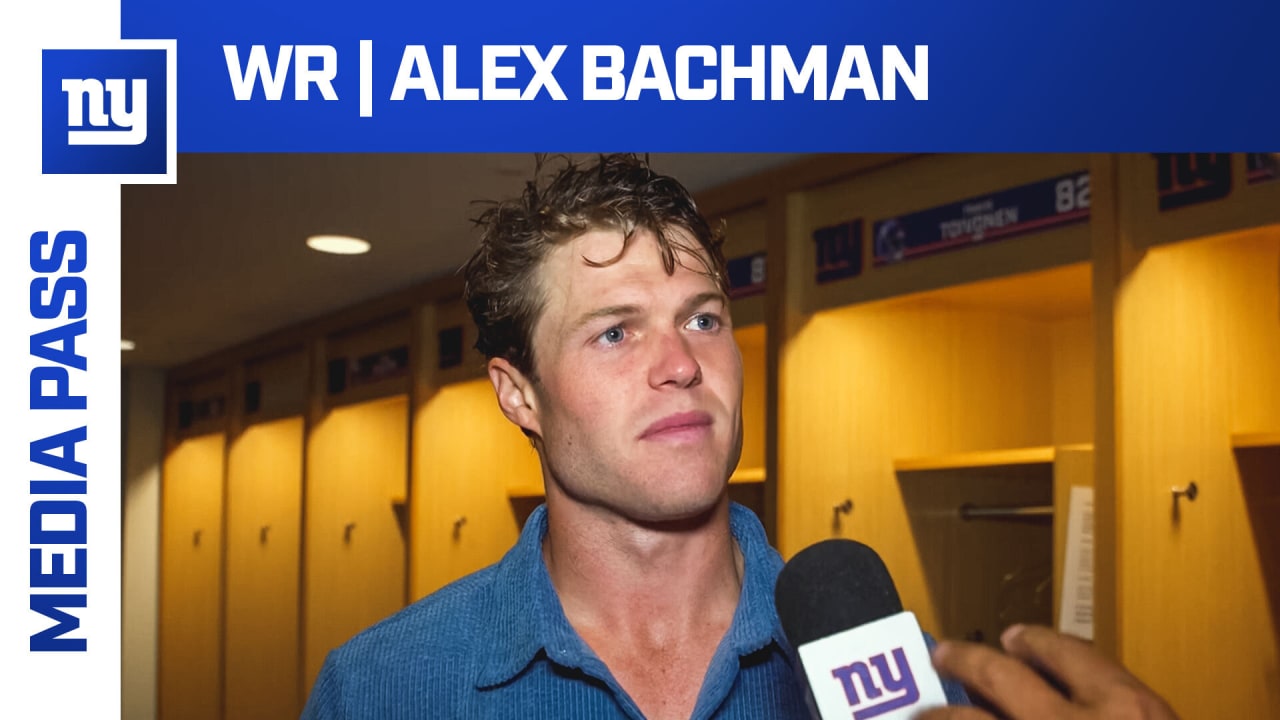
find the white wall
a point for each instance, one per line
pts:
(143, 438)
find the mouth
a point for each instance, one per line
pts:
(678, 426)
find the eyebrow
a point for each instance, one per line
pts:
(605, 312)
(621, 311)
(702, 299)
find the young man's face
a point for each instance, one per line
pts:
(640, 379)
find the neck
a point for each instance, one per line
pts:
(654, 581)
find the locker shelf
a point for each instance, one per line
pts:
(526, 490)
(747, 475)
(979, 459)
(1256, 440)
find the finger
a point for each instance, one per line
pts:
(1008, 684)
(1085, 673)
(954, 713)
(1090, 678)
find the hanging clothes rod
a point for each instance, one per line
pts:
(975, 512)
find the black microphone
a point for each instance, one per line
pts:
(861, 652)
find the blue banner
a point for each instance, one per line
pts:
(838, 251)
(1191, 178)
(1261, 167)
(746, 275)
(1091, 75)
(1016, 211)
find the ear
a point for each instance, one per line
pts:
(515, 394)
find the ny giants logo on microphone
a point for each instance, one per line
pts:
(895, 688)
(891, 676)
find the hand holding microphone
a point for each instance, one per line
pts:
(863, 656)
(1093, 686)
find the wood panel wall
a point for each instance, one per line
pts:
(190, 678)
(356, 535)
(264, 563)
(1199, 338)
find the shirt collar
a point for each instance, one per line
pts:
(526, 618)
(755, 622)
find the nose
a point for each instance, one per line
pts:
(674, 364)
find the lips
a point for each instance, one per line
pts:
(678, 425)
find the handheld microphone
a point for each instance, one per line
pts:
(861, 652)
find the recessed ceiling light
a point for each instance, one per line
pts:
(338, 244)
(127, 345)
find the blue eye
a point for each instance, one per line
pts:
(613, 335)
(704, 322)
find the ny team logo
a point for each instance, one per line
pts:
(109, 111)
(896, 688)
(890, 677)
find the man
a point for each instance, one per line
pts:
(638, 590)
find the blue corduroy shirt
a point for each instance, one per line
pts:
(496, 644)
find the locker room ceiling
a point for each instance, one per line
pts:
(220, 259)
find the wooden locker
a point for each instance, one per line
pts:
(355, 534)
(264, 545)
(190, 671)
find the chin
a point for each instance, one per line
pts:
(677, 517)
(685, 503)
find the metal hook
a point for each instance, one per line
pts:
(346, 532)
(195, 537)
(1189, 492)
(457, 526)
(262, 534)
(844, 508)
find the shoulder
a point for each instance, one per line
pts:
(421, 654)
(442, 622)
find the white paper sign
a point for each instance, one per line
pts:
(1076, 609)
